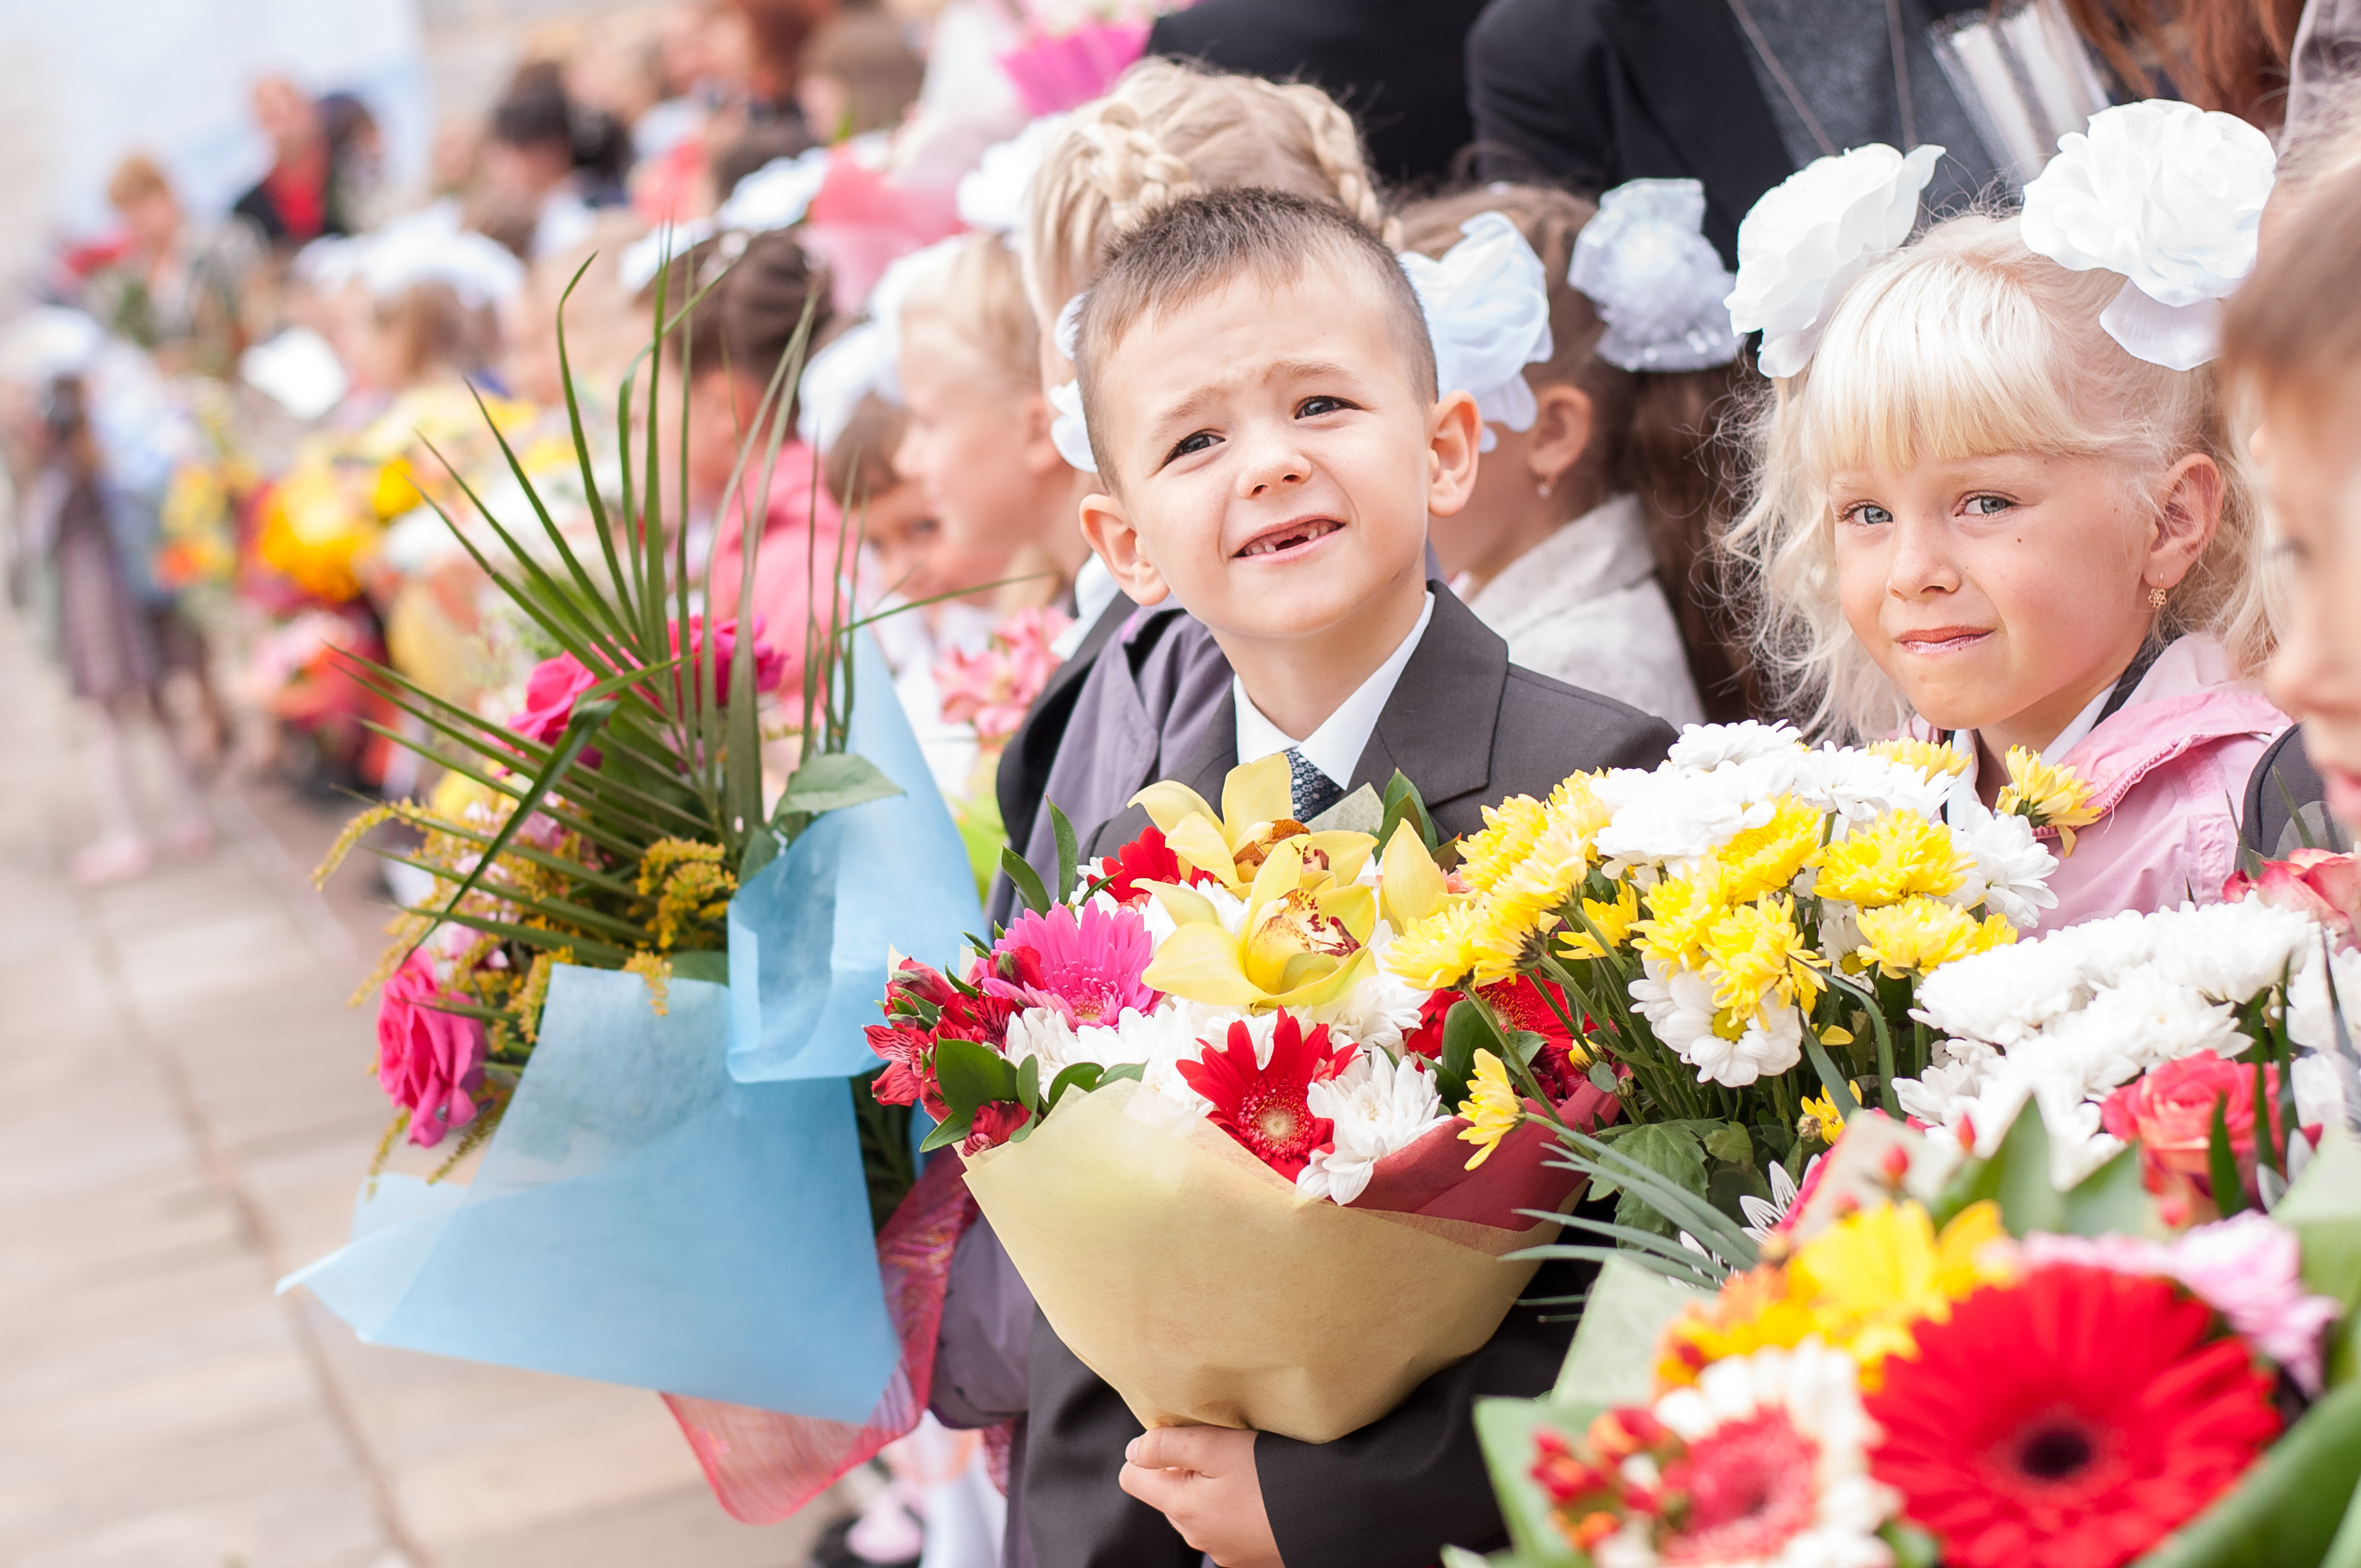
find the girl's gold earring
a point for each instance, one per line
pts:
(2157, 599)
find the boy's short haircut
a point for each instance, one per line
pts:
(2296, 326)
(1195, 246)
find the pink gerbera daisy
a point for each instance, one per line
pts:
(1089, 960)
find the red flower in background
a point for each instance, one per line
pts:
(2168, 1113)
(430, 1062)
(1264, 1106)
(909, 1075)
(2071, 1421)
(2317, 883)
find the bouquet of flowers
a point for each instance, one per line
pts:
(1194, 1085)
(2103, 1311)
(1702, 931)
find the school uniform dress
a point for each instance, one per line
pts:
(1469, 729)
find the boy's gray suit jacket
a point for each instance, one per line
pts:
(1470, 730)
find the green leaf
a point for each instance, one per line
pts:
(707, 965)
(1913, 1547)
(832, 781)
(1465, 1031)
(2221, 1163)
(1612, 1359)
(1832, 1083)
(1730, 1142)
(762, 848)
(1029, 1083)
(2113, 1200)
(2017, 1177)
(1082, 1075)
(2324, 1209)
(1130, 1069)
(1030, 891)
(946, 1134)
(971, 1075)
(1069, 854)
(1671, 1152)
(2286, 1509)
(1403, 800)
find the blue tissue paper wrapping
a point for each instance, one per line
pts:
(808, 935)
(640, 1218)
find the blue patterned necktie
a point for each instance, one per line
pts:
(1312, 791)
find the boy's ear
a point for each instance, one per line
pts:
(2189, 510)
(1454, 430)
(1111, 533)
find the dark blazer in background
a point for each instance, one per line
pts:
(1588, 93)
(1400, 66)
(1469, 729)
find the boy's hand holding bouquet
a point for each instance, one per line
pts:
(1212, 1128)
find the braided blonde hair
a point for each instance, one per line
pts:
(1168, 131)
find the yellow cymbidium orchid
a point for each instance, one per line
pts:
(1410, 887)
(1303, 942)
(1233, 843)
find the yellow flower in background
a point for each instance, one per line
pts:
(1763, 860)
(1895, 857)
(1821, 1116)
(1754, 1311)
(1302, 941)
(1874, 1276)
(1436, 952)
(1507, 836)
(1930, 758)
(314, 532)
(1920, 934)
(395, 490)
(1759, 958)
(2048, 795)
(1681, 911)
(1614, 920)
(1232, 844)
(1492, 1107)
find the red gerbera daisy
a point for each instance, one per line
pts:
(1264, 1106)
(1145, 859)
(2069, 1421)
(1520, 1005)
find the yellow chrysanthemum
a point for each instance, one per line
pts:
(1872, 1277)
(1862, 1286)
(1507, 836)
(1920, 934)
(1895, 857)
(1526, 900)
(1681, 911)
(1765, 859)
(2050, 796)
(1930, 758)
(1492, 1108)
(1821, 1116)
(1758, 956)
(1613, 919)
(1500, 936)
(1575, 803)
(1435, 953)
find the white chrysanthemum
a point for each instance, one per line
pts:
(2012, 867)
(1707, 746)
(2005, 995)
(1678, 1004)
(1816, 1388)
(2310, 1019)
(1379, 1011)
(1861, 786)
(1044, 1034)
(1379, 1105)
(1681, 816)
(2232, 952)
(1940, 1095)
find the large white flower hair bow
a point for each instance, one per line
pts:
(1658, 282)
(1811, 234)
(1066, 432)
(775, 196)
(997, 196)
(2170, 196)
(867, 357)
(1486, 305)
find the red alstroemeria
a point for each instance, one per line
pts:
(1264, 1106)
(996, 1123)
(2321, 883)
(909, 1075)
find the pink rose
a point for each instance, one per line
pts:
(2169, 1113)
(429, 1062)
(550, 693)
(770, 665)
(2317, 882)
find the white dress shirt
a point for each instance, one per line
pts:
(1337, 746)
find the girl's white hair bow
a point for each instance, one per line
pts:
(2170, 196)
(1486, 305)
(1658, 282)
(1067, 430)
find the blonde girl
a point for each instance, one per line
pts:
(1583, 544)
(2001, 501)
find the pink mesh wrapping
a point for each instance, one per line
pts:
(762, 1464)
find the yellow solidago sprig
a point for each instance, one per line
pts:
(1900, 855)
(1492, 1107)
(1921, 934)
(691, 889)
(1862, 1286)
(2047, 794)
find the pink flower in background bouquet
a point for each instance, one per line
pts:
(430, 1062)
(1073, 49)
(991, 689)
(2317, 883)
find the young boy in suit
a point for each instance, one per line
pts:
(1260, 394)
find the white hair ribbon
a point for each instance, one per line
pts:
(2170, 196)
(997, 196)
(1811, 234)
(1658, 282)
(1486, 306)
(1067, 431)
(836, 379)
(775, 196)
(429, 246)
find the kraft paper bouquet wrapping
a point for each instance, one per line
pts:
(1215, 1133)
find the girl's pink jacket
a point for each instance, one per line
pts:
(2170, 769)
